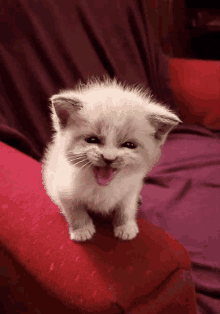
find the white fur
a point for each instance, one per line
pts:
(74, 188)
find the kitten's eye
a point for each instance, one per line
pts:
(93, 140)
(129, 145)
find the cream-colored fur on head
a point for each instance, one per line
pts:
(103, 129)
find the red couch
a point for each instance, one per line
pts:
(47, 272)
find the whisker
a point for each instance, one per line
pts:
(74, 154)
(88, 163)
(76, 157)
(79, 162)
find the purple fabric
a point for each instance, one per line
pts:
(182, 195)
(47, 46)
(16, 139)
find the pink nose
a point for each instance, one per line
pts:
(108, 161)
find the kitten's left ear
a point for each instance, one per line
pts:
(163, 124)
(64, 106)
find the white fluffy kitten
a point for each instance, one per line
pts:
(108, 136)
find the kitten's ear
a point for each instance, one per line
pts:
(163, 124)
(64, 106)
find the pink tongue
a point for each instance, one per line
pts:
(103, 175)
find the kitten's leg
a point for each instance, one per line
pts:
(81, 227)
(125, 225)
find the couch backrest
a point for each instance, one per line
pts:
(196, 88)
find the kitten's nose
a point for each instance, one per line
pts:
(108, 161)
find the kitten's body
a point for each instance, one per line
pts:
(127, 130)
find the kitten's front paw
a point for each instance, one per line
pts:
(82, 234)
(127, 231)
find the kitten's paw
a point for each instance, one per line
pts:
(82, 234)
(127, 231)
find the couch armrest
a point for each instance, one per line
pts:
(150, 274)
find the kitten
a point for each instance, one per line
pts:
(108, 136)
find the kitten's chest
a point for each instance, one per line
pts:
(104, 198)
(101, 199)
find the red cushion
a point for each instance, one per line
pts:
(146, 275)
(196, 88)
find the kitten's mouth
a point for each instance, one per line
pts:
(104, 175)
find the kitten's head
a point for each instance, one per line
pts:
(108, 127)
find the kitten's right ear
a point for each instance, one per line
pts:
(64, 106)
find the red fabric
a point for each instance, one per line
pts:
(196, 87)
(147, 273)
